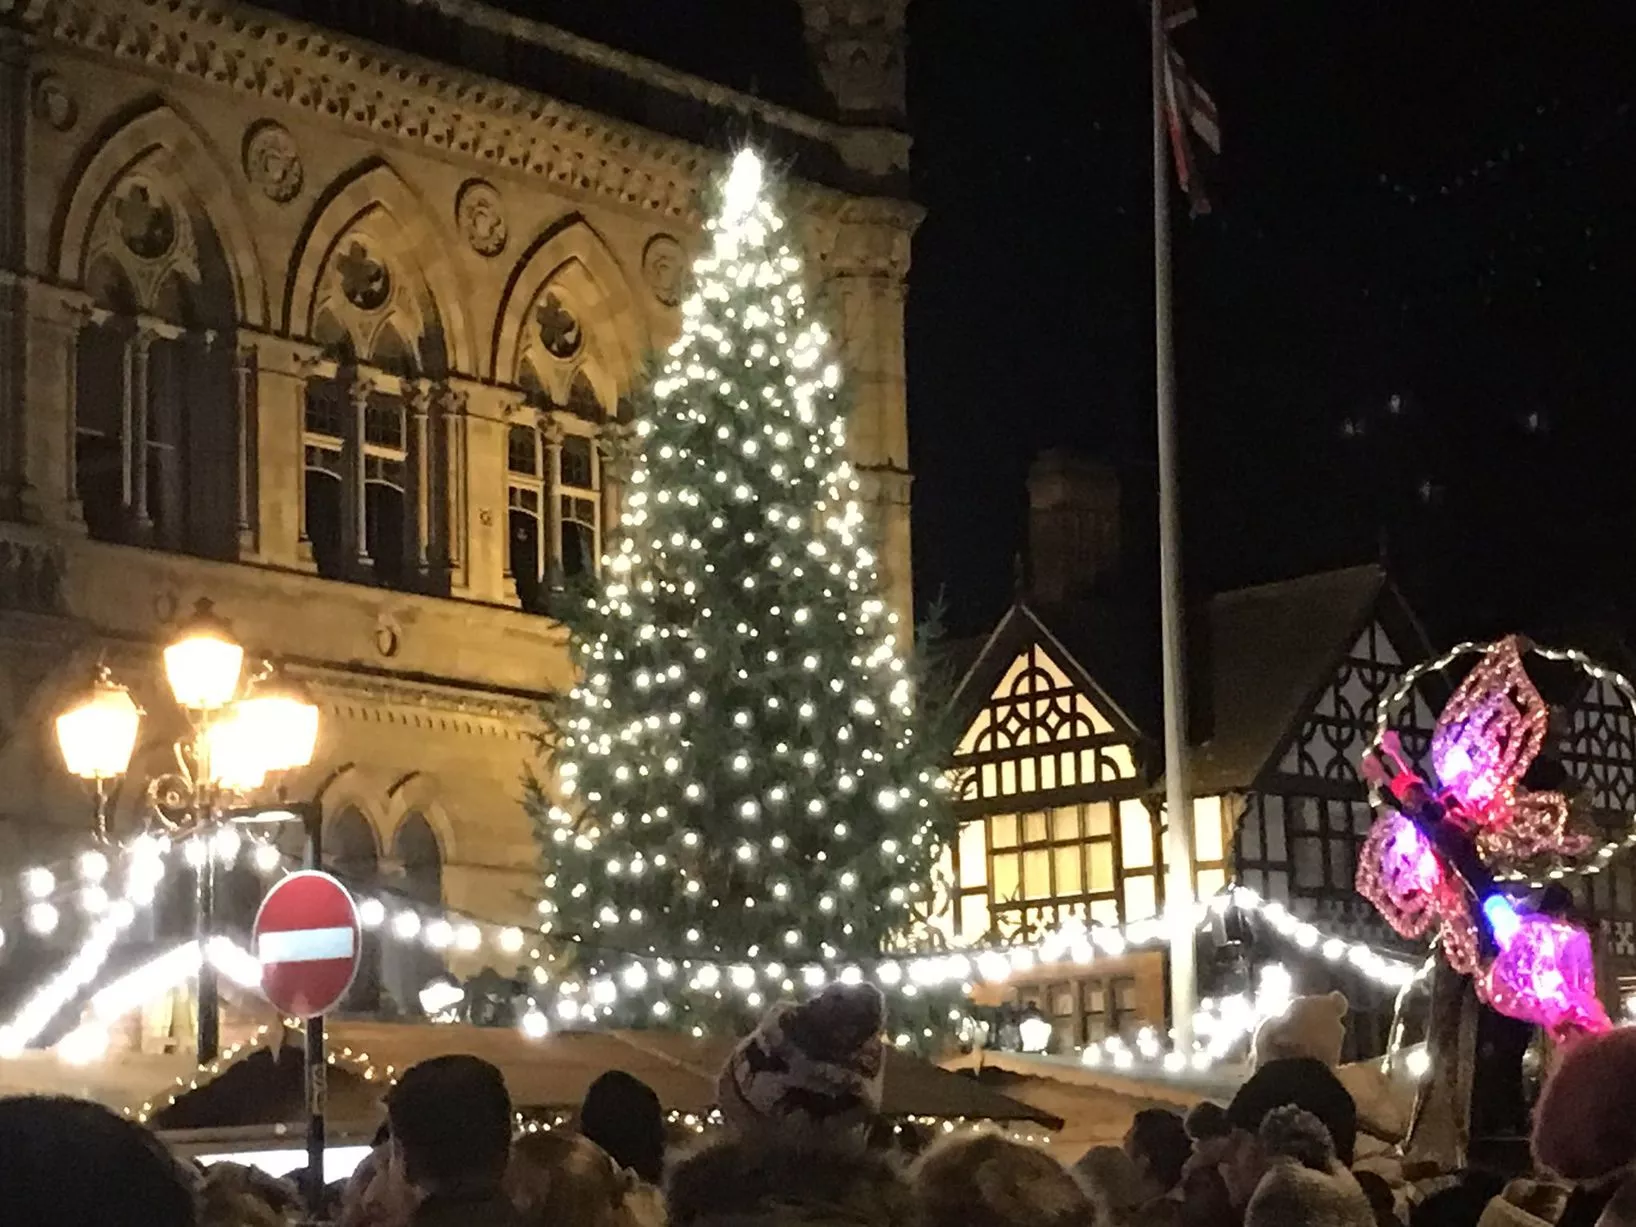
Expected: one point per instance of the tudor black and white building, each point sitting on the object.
(1059, 773)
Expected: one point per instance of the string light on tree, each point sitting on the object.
(746, 712)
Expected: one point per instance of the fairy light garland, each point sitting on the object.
(203, 1075)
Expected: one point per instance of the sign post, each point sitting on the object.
(308, 939)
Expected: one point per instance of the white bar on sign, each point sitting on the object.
(304, 945)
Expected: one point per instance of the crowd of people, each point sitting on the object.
(800, 1145)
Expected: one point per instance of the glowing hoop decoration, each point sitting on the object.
(1431, 859)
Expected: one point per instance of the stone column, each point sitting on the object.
(551, 433)
(16, 497)
(245, 383)
(134, 432)
(452, 507)
(358, 392)
(867, 267)
(281, 370)
(56, 321)
(610, 450)
(421, 398)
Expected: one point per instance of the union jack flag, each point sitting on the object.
(1190, 112)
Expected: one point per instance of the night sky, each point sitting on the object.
(1408, 324)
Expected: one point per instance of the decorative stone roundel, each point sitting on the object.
(477, 211)
(146, 224)
(663, 268)
(365, 281)
(272, 162)
(53, 103)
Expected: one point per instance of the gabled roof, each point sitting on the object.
(1021, 626)
(551, 1074)
(1258, 657)
(1273, 649)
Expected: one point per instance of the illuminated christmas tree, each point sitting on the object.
(744, 806)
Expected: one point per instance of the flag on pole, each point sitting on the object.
(1190, 112)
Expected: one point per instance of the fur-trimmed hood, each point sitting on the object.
(736, 1182)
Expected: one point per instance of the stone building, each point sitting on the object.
(330, 313)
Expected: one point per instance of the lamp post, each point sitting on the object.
(241, 728)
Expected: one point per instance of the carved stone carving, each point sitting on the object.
(146, 223)
(53, 103)
(859, 47)
(272, 162)
(365, 281)
(388, 636)
(560, 332)
(30, 577)
(329, 75)
(664, 268)
(478, 212)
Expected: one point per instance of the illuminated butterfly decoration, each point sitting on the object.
(1430, 859)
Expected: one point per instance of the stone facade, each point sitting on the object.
(342, 339)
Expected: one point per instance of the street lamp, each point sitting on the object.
(241, 728)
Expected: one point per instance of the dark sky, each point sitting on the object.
(1409, 319)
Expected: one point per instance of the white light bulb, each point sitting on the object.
(535, 1025)
(406, 925)
(510, 940)
(266, 857)
(38, 883)
(93, 866)
(41, 918)
(371, 913)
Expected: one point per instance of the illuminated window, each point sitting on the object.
(551, 471)
(1039, 733)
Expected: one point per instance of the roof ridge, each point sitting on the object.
(1292, 581)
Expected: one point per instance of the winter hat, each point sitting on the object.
(815, 1067)
(1302, 1082)
(984, 1180)
(1109, 1176)
(1305, 1186)
(1581, 1130)
(1308, 1027)
(622, 1115)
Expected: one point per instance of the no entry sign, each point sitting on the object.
(307, 938)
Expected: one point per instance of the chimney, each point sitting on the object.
(1073, 526)
(860, 46)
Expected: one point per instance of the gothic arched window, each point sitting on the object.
(350, 853)
(154, 368)
(367, 452)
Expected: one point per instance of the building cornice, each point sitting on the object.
(384, 91)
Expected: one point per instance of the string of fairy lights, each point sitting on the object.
(143, 863)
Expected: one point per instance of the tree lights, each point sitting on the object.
(738, 770)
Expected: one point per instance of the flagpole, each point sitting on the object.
(1179, 899)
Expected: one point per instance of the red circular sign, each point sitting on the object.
(308, 939)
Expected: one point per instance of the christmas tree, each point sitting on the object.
(743, 807)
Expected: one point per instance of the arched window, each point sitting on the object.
(155, 371)
(415, 849)
(350, 854)
(525, 510)
(419, 861)
(369, 451)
